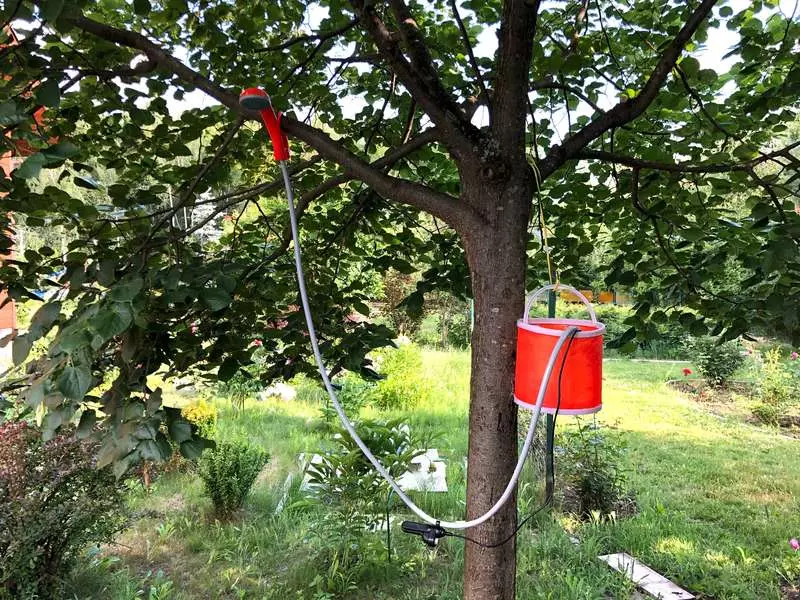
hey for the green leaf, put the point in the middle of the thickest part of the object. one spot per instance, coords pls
(152, 450)
(51, 9)
(228, 369)
(105, 272)
(153, 403)
(48, 93)
(142, 7)
(180, 430)
(59, 152)
(34, 395)
(86, 182)
(43, 319)
(193, 449)
(86, 424)
(216, 298)
(31, 166)
(113, 320)
(121, 466)
(74, 382)
(691, 66)
(20, 348)
(127, 290)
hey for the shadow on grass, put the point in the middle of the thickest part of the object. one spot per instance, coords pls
(716, 514)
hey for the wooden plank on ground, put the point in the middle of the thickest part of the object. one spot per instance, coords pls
(655, 584)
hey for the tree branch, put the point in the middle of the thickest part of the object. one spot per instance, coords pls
(159, 56)
(472, 60)
(628, 110)
(459, 215)
(549, 84)
(517, 30)
(442, 205)
(420, 78)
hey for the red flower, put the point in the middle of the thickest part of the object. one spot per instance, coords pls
(257, 342)
(227, 218)
(687, 371)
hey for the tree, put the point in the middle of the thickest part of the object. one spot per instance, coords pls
(650, 146)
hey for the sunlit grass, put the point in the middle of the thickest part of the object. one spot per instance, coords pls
(718, 501)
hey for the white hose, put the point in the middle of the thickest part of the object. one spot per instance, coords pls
(298, 261)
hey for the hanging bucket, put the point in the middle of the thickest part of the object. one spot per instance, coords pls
(582, 377)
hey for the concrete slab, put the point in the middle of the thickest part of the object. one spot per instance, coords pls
(653, 583)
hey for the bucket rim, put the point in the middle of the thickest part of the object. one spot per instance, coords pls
(532, 326)
(561, 411)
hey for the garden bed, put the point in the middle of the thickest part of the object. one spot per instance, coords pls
(734, 400)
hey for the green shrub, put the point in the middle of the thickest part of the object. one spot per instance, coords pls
(613, 318)
(403, 385)
(767, 413)
(202, 414)
(354, 393)
(776, 383)
(228, 472)
(715, 361)
(591, 464)
(444, 330)
(345, 478)
(353, 499)
(429, 334)
(53, 502)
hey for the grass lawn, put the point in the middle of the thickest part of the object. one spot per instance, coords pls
(718, 501)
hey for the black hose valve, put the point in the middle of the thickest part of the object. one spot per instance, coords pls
(430, 534)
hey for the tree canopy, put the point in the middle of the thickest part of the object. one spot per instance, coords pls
(635, 135)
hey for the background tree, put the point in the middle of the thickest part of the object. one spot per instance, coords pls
(599, 112)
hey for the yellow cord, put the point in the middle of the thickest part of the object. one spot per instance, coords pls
(552, 272)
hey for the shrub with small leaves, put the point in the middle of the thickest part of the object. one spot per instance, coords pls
(776, 383)
(766, 413)
(403, 385)
(53, 502)
(591, 463)
(228, 472)
(345, 478)
(715, 361)
(203, 414)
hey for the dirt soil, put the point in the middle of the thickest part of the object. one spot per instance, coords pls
(790, 592)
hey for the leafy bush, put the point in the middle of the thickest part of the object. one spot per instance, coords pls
(354, 498)
(202, 414)
(591, 463)
(353, 393)
(53, 502)
(403, 385)
(715, 361)
(345, 479)
(776, 383)
(240, 387)
(228, 472)
(766, 413)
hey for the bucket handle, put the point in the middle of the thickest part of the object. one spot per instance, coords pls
(556, 287)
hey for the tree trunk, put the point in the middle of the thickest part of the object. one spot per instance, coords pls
(497, 259)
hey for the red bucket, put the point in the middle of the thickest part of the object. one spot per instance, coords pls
(582, 378)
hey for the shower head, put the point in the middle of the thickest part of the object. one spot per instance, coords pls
(254, 99)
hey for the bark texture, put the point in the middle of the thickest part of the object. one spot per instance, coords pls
(497, 266)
